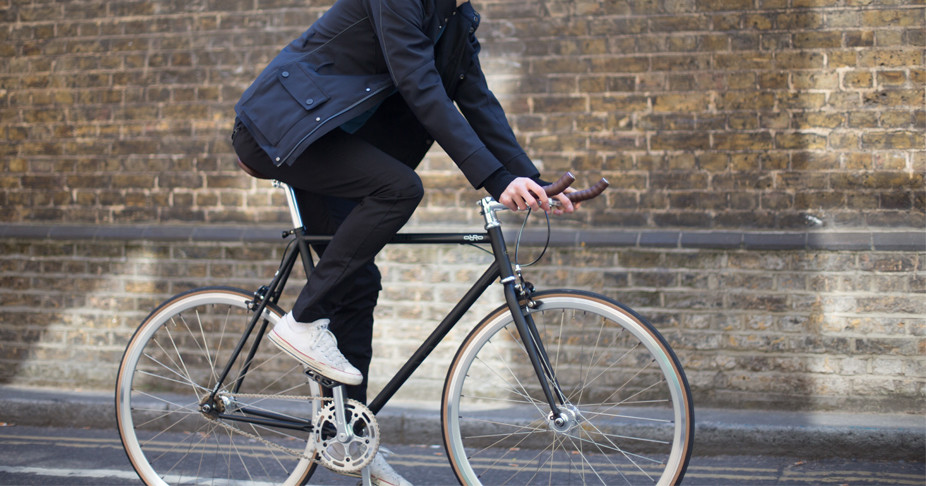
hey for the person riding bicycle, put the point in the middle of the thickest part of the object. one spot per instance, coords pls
(344, 114)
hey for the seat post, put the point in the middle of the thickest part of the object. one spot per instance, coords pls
(293, 204)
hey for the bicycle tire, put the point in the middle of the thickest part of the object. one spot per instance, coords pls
(171, 363)
(633, 421)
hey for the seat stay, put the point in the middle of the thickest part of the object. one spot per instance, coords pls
(259, 305)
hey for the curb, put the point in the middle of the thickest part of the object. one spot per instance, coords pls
(809, 435)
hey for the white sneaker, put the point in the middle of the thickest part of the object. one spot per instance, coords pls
(315, 346)
(382, 474)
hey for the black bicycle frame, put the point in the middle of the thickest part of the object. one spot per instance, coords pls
(500, 268)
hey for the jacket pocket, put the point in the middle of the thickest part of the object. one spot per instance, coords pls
(283, 98)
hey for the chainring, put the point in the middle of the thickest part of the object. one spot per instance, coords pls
(356, 452)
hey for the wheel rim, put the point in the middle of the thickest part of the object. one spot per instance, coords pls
(171, 365)
(627, 418)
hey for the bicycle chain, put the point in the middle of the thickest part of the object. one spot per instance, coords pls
(287, 450)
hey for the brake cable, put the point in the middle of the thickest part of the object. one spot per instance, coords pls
(546, 244)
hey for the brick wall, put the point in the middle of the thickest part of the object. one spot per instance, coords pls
(704, 113)
(728, 128)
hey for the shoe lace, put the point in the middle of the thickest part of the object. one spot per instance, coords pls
(327, 344)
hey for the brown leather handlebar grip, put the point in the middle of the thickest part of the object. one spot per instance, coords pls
(559, 186)
(586, 194)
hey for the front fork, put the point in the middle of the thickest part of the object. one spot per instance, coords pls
(527, 329)
(518, 298)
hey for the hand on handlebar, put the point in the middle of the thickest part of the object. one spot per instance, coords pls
(523, 193)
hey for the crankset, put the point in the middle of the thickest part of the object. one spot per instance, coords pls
(346, 434)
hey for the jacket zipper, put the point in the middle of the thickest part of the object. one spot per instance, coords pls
(320, 123)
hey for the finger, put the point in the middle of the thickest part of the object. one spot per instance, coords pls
(531, 200)
(509, 202)
(566, 205)
(538, 195)
(575, 205)
(523, 197)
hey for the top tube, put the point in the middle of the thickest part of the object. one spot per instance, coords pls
(489, 207)
(417, 238)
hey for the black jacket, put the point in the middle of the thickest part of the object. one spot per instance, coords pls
(409, 59)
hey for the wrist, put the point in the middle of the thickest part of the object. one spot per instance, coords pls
(497, 182)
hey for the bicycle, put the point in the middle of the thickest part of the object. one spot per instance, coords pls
(585, 381)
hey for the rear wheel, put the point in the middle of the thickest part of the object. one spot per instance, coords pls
(168, 371)
(628, 413)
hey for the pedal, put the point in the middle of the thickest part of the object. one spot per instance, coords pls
(321, 380)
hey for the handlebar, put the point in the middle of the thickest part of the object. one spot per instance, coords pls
(567, 179)
(490, 206)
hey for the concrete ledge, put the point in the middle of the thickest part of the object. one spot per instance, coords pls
(695, 239)
(717, 432)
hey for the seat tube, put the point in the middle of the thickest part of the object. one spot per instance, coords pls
(298, 226)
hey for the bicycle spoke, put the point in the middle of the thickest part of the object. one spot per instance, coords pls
(587, 463)
(186, 372)
(634, 417)
(175, 447)
(524, 429)
(517, 387)
(511, 448)
(187, 380)
(203, 348)
(577, 394)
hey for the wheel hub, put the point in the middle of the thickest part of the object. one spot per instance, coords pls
(568, 419)
(212, 408)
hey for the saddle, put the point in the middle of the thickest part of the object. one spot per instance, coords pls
(250, 171)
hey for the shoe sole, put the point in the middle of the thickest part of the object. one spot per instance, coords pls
(329, 373)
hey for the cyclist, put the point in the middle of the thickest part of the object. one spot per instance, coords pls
(344, 114)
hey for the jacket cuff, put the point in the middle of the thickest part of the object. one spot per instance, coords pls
(477, 166)
(522, 165)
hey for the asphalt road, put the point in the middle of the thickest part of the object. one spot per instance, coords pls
(54, 456)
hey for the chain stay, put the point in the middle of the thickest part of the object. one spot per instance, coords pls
(287, 450)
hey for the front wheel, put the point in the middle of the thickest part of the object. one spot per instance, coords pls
(627, 405)
(169, 369)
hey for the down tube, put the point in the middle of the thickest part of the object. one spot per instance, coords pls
(436, 336)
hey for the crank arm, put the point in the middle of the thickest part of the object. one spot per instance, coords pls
(340, 415)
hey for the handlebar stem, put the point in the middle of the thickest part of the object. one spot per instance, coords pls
(489, 207)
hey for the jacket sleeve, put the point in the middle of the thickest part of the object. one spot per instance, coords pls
(484, 112)
(409, 54)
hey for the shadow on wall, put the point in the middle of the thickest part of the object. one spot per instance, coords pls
(69, 306)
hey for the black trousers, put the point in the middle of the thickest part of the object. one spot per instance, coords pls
(362, 196)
